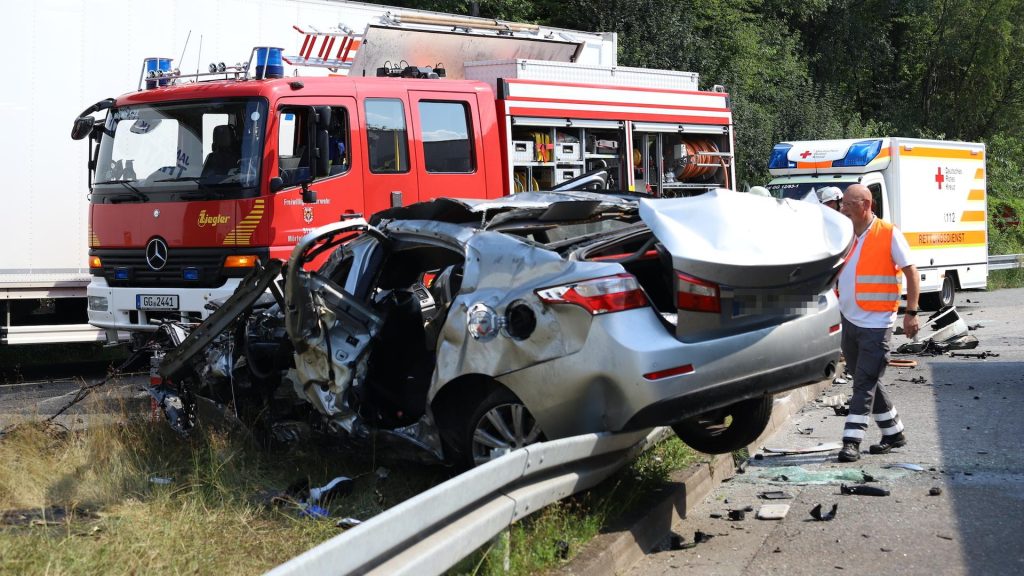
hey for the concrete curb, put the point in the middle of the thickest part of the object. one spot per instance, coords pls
(616, 551)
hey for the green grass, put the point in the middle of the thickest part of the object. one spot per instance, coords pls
(214, 518)
(1012, 278)
(536, 544)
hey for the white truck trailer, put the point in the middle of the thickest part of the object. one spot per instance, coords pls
(70, 52)
(933, 190)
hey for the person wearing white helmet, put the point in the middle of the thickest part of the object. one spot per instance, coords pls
(830, 196)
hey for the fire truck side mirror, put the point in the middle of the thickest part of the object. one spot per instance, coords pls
(82, 128)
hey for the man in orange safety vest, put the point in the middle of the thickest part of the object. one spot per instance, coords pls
(869, 298)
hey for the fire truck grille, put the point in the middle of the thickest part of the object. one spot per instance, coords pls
(188, 268)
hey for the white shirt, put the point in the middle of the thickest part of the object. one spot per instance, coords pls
(847, 277)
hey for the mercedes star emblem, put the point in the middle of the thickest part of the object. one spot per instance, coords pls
(156, 254)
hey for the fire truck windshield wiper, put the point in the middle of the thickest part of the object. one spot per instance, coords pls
(135, 191)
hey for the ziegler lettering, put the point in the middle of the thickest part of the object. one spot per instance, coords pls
(213, 220)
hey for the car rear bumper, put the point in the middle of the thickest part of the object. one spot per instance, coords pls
(603, 387)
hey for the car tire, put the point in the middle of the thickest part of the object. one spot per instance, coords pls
(709, 434)
(499, 424)
(932, 301)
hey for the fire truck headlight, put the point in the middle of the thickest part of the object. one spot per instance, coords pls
(98, 303)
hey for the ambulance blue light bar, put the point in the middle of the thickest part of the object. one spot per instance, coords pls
(860, 154)
(780, 157)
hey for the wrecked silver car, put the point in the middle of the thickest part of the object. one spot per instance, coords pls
(470, 328)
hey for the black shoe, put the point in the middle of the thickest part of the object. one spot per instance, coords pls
(888, 443)
(850, 452)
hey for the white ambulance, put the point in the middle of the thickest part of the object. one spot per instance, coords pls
(933, 190)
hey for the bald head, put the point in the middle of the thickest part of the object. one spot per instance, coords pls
(857, 206)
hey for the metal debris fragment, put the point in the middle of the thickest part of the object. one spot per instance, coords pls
(905, 466)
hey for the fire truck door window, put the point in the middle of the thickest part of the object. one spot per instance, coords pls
(386, 135)
(338, 136)
(446, 143)
(292, 142)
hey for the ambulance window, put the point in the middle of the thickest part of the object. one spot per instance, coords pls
(876, 199)
(446, 144)
(387, 139)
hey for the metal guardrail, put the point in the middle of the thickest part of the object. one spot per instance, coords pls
(433, 531)
(1005, 261)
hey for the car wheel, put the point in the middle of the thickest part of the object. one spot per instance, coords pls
(941, 299)
(715, 433)
(500, 424)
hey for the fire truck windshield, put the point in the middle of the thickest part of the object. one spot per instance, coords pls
(199, 149)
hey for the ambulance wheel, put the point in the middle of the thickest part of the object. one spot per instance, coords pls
(726, 429)
(940, 299)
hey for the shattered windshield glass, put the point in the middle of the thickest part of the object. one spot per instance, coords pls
(195, 149)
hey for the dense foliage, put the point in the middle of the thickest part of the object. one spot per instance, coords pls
(948, 69)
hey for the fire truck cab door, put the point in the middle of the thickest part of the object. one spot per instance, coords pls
(446, 132)
(389, 171)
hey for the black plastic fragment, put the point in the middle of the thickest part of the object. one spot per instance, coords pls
(862, 490)
(817, 515)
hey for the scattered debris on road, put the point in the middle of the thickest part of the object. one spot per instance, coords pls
(817, 515)
(772, 511)
(905, 466)
(935, 491)
(678, 542)
(348, 522)
(823, 447)
(863, 490)
(775, 495)
(980, 355)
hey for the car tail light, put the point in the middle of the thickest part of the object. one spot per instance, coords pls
(697, 295)
(835, 328)
(600, 295)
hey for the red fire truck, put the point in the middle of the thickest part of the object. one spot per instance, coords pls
(196, 177)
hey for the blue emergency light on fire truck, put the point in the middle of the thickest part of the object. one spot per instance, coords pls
(157, 72)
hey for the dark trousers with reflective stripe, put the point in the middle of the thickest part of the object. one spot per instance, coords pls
(867, 353)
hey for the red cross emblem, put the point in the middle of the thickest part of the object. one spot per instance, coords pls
(805, 154)
(939, 178)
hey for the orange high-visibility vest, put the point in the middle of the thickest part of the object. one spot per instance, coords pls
(877, 283)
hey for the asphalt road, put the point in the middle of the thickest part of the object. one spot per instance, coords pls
(965, 429)
(41, 398)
